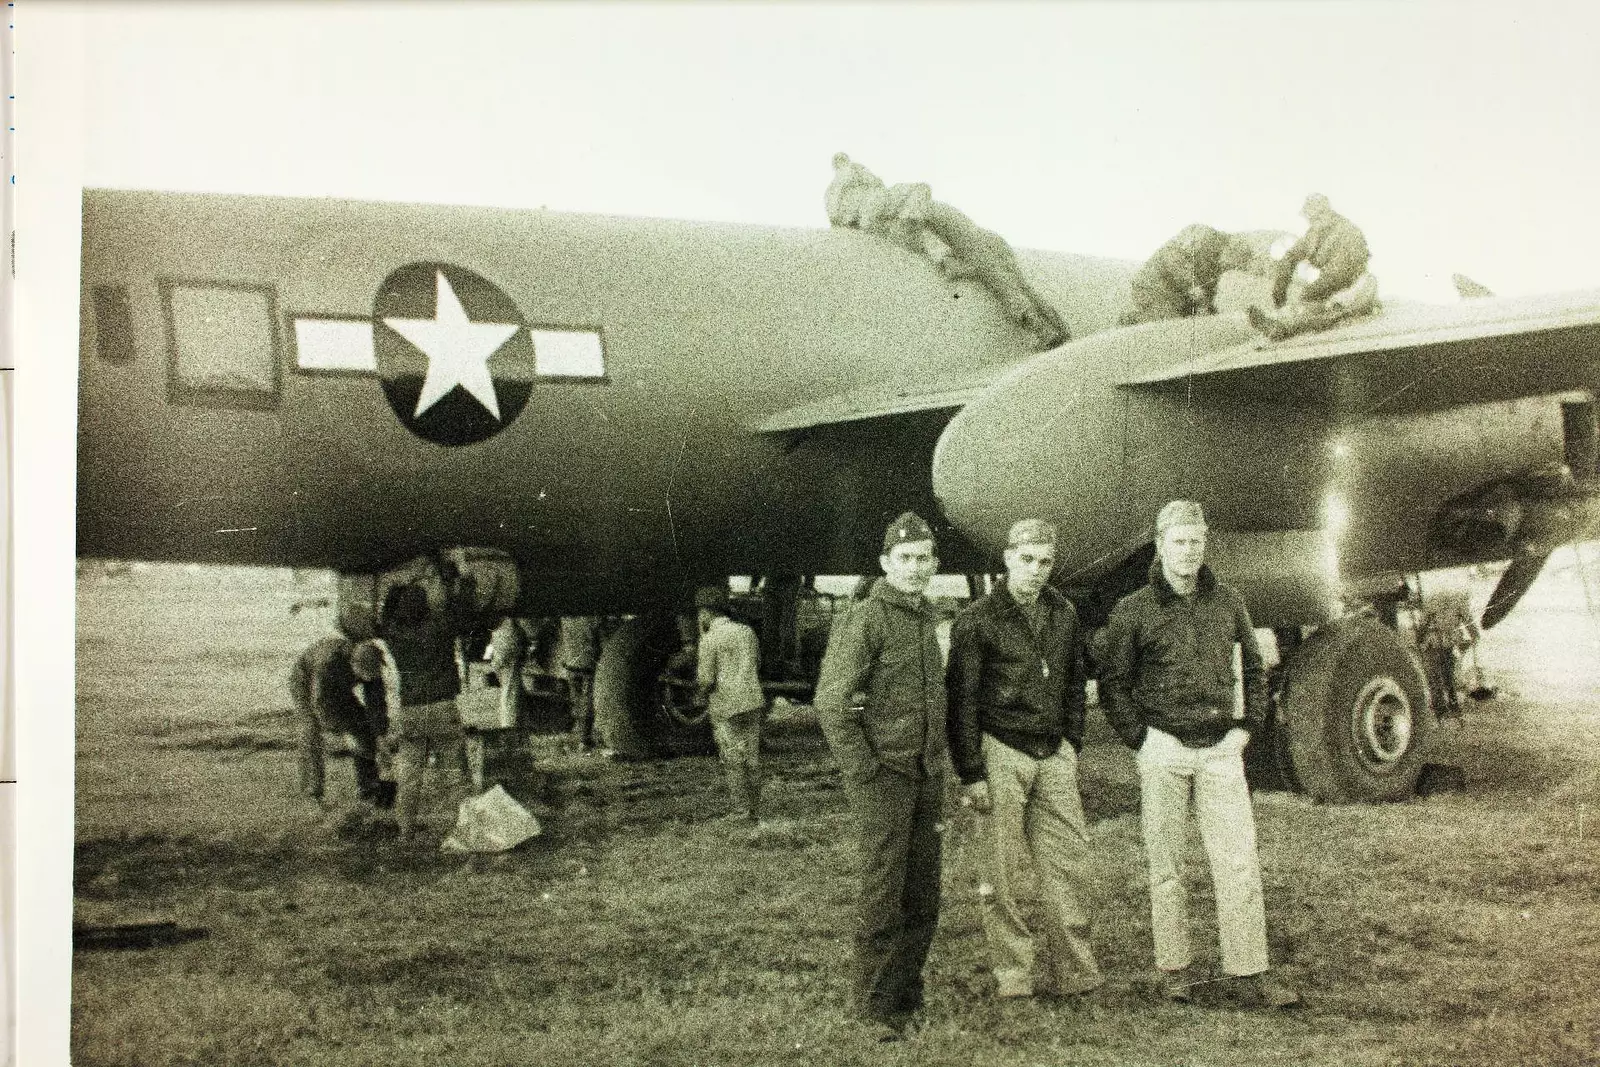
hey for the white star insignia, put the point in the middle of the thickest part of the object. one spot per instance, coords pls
(458, 350)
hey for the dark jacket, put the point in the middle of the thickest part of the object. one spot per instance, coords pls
(885, 649)
(1162, 287)
(323, 682)
(1336, 247)
(425, 653)
(1169, 663)
(1023, 689)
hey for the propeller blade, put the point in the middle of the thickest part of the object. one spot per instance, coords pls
(1525, 567)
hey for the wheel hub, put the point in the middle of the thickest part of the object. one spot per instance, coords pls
(1383, 725)
(677, 697)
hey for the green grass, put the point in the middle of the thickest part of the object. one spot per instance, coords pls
(1457, 930)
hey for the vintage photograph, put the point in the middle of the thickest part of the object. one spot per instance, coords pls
(730, 533)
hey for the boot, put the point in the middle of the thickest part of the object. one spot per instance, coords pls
(1175, 985)
(1270, 993)
(1266, 324)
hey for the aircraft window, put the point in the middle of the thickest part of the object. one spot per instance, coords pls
(569, 353)
(113, 323)
(223, 344)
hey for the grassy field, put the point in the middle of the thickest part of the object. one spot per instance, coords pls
(1454, 930)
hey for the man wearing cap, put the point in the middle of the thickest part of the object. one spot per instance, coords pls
(1016, 696)
(1343, 286)
(1168, 688)
(322, 685)
(881, 701)
(728, 669)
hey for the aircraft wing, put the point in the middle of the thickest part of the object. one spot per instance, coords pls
(878, 400)
(1409, 357)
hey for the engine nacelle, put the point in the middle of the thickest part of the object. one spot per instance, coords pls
(1289, 576)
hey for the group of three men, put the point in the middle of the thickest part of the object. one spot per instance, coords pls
(1009, 710)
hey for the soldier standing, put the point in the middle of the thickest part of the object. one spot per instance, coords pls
(881, 701)
(1016, 691)
(579, 652)
(1168, 690)
(728, 664)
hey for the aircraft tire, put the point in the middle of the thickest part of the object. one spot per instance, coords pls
(1355, 713)
(629, 711)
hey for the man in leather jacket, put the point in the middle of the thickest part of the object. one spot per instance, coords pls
(1015, 687)
(1169, 690)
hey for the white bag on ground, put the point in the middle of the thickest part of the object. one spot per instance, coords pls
(490, 822)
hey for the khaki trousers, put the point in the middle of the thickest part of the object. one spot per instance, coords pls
(738, 740)
(1172, 775)
(422, 730)
(1036, 812)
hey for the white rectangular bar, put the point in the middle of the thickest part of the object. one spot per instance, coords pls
(334, 344)
(568, 353)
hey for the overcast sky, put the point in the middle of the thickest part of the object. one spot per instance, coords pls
(1460, 136)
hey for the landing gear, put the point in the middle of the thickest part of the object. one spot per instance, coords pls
(644, 692)
(1354, 713)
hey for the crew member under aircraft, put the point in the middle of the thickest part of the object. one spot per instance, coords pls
(1343, 287)
(728, 663)
(579, 652)
(1181, 278)
(422, 640)
(323, 685)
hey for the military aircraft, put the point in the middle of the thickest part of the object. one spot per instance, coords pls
(600, 413)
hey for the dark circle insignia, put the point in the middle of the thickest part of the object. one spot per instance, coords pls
(454, 354)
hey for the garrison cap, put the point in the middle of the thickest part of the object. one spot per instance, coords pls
(1180, 513)
(1031, 532)
(908, 528)
(711, 597)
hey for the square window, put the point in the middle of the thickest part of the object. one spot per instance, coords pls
(223, 344)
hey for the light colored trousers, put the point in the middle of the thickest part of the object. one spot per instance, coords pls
(421, 730)
(1170, 776)
(738, 739)
(1036, 811)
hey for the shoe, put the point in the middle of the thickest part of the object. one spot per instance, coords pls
(1270, 993)
(1012, 986)
(1080, 987)
(1265, 323)
(1175, 986)
(886, 1029)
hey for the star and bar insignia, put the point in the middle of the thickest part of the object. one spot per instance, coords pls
(454, 355)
